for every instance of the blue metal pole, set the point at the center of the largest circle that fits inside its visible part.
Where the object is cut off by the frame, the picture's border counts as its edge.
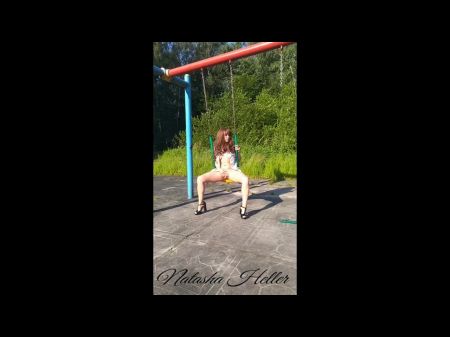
(187, 103)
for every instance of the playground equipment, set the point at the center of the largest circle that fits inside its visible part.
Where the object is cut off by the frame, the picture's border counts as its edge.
(170, 75)
(211, 146)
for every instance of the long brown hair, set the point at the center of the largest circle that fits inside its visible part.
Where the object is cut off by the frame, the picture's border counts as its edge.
(220, 146)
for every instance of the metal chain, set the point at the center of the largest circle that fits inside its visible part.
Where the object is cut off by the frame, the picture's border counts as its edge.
(281, 66)
(232, 96)
(178, 111)
(208, 115)
(204, 91)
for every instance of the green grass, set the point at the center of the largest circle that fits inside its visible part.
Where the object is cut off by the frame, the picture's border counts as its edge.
(256, 163)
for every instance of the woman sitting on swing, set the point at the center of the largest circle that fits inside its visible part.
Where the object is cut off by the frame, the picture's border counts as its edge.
(226, 168)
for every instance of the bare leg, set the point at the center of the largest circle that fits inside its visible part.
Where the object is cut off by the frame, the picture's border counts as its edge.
(243, 179)
(244, 189)
(205, 178)
(200, 189)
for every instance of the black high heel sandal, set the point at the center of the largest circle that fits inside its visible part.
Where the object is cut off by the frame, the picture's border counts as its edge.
(202, 206)
(243, 215)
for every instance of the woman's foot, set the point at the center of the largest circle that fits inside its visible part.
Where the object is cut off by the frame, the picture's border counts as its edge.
(201, 208)
(243, 212)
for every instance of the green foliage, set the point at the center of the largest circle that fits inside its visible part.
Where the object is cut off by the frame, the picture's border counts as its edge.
(257, 164)
(170, 162)
(265, 111)
(269, 121)
(253, 76)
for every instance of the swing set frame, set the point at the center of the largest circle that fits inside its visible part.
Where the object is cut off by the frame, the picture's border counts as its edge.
(170, 75)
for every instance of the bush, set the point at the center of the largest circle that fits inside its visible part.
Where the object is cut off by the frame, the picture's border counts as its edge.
(256, 163)
(269, 121)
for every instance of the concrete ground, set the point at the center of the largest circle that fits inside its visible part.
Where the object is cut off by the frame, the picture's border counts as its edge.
(218, 253)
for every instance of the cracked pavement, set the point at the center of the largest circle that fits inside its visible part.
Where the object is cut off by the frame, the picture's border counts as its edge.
(218, 253)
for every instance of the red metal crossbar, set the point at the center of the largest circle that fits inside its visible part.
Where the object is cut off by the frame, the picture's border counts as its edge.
(222, 58)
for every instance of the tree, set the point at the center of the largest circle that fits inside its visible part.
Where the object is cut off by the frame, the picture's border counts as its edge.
(256, 81)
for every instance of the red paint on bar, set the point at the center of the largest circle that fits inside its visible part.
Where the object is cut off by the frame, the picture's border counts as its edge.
(222, 58)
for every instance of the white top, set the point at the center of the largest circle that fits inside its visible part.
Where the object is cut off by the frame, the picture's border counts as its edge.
(224, 158)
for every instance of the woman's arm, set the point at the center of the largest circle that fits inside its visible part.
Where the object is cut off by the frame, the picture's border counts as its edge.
(218, 162)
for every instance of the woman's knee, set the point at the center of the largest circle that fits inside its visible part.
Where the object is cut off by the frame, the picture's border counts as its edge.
(245, 180)
(200, 179)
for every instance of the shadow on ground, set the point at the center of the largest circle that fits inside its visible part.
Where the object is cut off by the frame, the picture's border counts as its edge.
(213, 194)
(273, 196)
